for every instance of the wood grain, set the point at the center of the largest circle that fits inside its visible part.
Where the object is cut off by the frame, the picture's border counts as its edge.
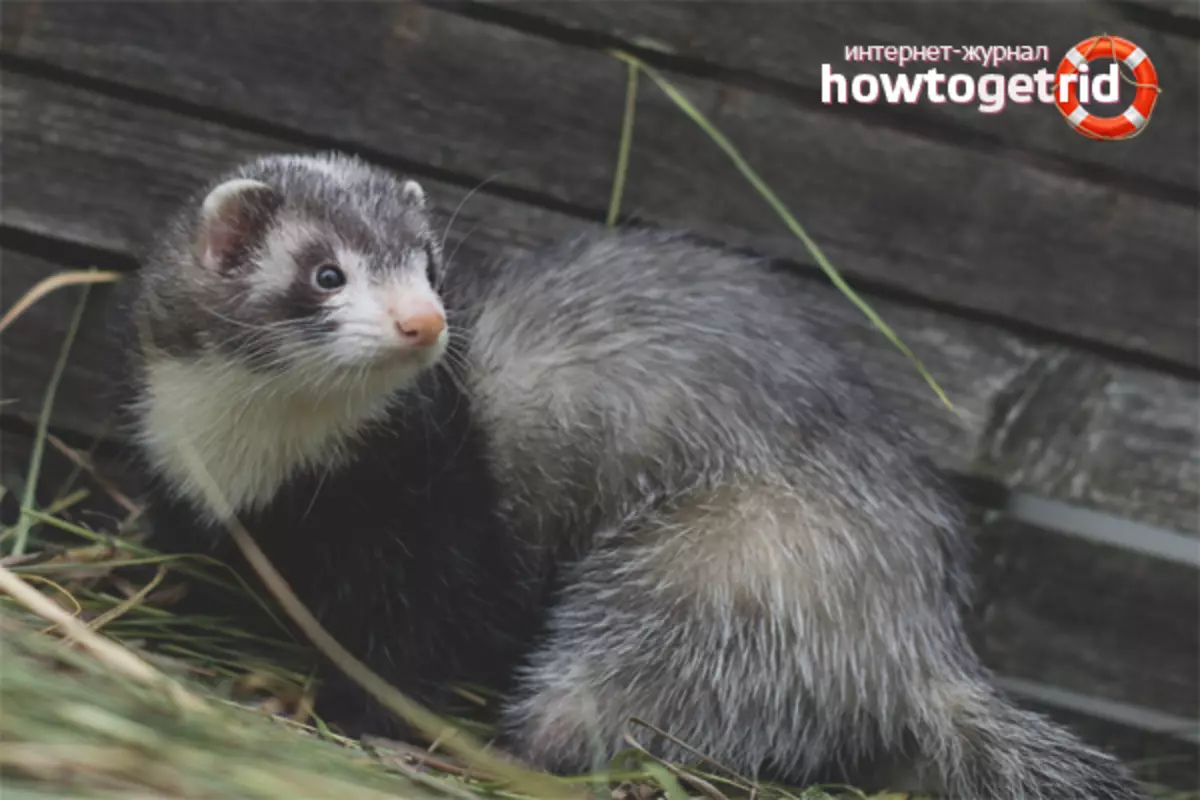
(1068, 419)
(980, 231)
(104, 172)
(788, 42)
(1166, 15)
(30, 346)
(1071, 613)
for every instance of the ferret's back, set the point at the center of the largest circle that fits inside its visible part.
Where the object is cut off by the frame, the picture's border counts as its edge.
(682, 325)
(644, 358)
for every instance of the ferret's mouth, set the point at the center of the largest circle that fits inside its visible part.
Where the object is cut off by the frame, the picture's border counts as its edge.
(419, 358)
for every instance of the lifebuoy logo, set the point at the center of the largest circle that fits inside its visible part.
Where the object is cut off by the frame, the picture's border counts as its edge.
(1079, 80)
(1076, 63)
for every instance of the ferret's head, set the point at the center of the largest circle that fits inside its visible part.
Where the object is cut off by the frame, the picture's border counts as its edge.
(307, 266)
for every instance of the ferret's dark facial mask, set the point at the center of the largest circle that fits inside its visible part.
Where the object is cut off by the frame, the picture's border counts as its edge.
(301, 290)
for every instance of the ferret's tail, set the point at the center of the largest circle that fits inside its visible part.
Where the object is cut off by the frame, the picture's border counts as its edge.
(982, 747)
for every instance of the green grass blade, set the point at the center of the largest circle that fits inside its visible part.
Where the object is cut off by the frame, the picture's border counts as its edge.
(29, 498)
(631, 89)
(666, 781)
(777, 205)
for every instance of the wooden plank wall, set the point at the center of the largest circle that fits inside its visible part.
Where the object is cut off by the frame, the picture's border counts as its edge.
(1049, 283)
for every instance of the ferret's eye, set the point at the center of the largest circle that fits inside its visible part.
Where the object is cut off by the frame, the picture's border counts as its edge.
(329, 277)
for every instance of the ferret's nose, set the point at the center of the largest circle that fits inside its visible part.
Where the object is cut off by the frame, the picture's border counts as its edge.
(422, 329)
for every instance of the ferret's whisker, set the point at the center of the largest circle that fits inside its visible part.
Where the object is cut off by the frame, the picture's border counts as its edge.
(463, 202)
(450, 258)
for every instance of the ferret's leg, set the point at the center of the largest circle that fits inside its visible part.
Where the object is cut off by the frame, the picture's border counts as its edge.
(692, 619)
(760, 630)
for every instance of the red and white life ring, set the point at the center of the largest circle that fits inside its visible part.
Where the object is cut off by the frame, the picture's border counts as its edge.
(1134, 118)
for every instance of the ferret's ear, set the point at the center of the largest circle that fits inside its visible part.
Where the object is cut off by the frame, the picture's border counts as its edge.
(233, 218)
(413, 194)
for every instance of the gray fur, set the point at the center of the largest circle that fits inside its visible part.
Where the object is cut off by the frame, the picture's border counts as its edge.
(758, 558)
(768, 568)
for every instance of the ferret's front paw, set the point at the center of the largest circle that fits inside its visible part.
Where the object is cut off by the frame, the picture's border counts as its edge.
(557, 735)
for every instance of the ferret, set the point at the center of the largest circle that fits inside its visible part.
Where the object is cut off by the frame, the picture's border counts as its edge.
(621, 477)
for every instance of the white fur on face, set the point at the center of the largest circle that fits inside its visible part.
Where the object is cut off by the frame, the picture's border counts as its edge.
(275, 269)
(367, 308)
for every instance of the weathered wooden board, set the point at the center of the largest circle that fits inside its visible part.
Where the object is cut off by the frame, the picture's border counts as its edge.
(1071, 613)
(100, 171)
(787, 43)
(976, 230)
(1174, 16)
(1068, 418)
(1105, 625)
(29, 347)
